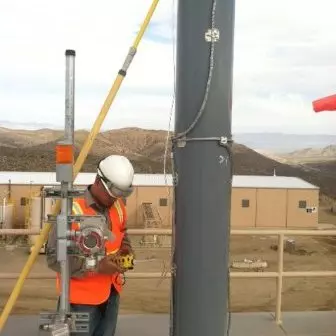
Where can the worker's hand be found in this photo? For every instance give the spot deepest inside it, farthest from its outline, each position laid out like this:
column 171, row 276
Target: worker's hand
column 108, row 266
column 125, row 250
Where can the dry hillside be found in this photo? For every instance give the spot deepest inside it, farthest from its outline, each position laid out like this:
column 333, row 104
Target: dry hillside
column 310, row 155
column 34, row 151
column 318, row 161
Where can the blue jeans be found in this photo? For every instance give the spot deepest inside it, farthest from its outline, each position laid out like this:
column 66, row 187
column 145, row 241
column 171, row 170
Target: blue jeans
column 103, row 318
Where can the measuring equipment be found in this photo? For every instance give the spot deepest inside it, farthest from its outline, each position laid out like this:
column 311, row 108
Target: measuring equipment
column 90, row 241
column 80, row 235
column 89, row 238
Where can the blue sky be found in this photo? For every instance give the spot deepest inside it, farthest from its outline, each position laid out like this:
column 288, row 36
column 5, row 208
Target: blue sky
column 285, row 56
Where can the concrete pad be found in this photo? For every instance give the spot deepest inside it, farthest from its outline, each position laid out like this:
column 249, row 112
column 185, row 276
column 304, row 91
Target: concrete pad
column 143, row 325
column 252, row 324
column 258, row 324
column 309, row 323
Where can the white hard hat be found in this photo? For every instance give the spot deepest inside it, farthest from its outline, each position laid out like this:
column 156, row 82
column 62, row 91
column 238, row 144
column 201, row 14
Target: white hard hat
column 116, row 173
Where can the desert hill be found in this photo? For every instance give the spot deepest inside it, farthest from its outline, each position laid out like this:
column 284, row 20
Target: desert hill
column 34, row 151
column 322, row 161
column 308, row 155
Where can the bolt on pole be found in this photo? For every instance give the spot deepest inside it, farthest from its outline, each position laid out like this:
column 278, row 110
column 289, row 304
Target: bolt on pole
column 203, row 167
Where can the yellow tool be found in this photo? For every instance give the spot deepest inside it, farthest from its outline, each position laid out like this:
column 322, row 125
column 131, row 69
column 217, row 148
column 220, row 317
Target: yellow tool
column 126, row 262
column 78, row 166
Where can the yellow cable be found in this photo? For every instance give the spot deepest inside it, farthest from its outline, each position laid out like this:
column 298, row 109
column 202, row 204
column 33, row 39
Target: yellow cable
column 77, row 167
column 110, row 98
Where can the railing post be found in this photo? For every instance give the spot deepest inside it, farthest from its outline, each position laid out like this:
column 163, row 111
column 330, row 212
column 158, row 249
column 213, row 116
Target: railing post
column 279, row 279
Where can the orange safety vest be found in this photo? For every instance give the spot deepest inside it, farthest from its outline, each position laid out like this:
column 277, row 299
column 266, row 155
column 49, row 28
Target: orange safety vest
column 94, row 289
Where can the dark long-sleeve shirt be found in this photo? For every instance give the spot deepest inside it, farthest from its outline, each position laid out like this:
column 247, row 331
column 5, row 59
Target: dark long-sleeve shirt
column 76, row 263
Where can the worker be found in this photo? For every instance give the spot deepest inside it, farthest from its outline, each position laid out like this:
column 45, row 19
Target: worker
column 98, row 293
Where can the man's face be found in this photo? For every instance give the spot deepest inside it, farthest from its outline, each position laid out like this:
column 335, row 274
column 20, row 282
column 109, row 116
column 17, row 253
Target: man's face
column 102, row 195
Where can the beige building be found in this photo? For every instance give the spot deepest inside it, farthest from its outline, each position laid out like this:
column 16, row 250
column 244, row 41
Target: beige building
column 257, row 201
column 273, row 202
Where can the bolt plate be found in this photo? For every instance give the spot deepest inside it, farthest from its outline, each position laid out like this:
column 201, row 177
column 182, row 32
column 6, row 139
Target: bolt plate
column 50, row 323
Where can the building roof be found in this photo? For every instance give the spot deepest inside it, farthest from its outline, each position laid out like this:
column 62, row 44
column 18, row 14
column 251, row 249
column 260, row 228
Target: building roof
column 239, row 181
column 49, row 178
column 272, row 182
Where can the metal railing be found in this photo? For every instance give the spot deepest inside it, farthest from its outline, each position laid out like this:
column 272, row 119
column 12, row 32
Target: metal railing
column 279, row 275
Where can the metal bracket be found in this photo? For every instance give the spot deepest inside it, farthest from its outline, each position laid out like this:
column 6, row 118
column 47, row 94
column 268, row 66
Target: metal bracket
column 50, row 324
column 181, row 142
column 173, row 270
column 212, row 35
column 222, row 141
column 61, row 230
column 175, row 179
column 57, row 193
column 78, row 218
column 58, row 329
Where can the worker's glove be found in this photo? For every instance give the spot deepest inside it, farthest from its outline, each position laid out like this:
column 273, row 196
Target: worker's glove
column 125, row 249
column 108, row 265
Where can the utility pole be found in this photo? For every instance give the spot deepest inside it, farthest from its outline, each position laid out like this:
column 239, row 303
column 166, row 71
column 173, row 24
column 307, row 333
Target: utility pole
column 202, row 167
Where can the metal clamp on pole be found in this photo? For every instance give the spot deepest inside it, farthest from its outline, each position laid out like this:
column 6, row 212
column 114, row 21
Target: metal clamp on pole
column 222, row 141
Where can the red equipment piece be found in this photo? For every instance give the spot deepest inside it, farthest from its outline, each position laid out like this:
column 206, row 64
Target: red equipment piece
column 325, row 104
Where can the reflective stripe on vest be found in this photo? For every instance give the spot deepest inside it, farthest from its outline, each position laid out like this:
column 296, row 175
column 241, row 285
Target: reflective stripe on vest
column 77, row 210
column 119, row 210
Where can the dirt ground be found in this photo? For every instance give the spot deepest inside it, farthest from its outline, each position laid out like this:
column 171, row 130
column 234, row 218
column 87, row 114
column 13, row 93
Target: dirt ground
column 152, row 296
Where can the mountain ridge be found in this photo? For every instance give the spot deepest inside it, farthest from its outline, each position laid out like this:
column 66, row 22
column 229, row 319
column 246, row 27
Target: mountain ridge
column 28, row 150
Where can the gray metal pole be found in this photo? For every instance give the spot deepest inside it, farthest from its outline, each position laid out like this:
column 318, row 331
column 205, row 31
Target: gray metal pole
column 66, row 204
column 203, row 170
column 70, row 94
column 70, row 103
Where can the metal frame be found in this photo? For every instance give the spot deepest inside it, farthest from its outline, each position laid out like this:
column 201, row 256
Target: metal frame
column 64, row 175
column 279, row 275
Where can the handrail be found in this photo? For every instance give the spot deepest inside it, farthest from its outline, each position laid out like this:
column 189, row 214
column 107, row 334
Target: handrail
column 168, row 232
column 279, row 275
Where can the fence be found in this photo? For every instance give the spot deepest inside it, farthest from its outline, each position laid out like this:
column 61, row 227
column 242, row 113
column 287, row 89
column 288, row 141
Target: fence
column 279, row 275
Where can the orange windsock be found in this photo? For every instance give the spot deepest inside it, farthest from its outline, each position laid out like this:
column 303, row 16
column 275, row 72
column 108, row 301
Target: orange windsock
column 325, row 104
